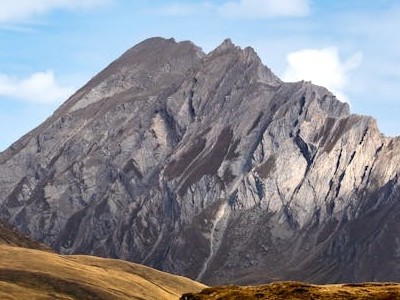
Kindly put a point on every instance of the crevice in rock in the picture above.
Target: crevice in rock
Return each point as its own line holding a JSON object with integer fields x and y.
{"x": 339, "y": 184}
{"x": 259, "y": 188}
{"x": 192, "y": 112}
{"x": 175, "y": 132}
{"x": 248, "y": 162}
{"x": 302, "y": 104}
{"x": 338, "y": 161}
{"x": 308, "y": 151}
{"x": 352, "y": 158}
{"x": 364, "y": 173}
{"x": 364, "y": 136}
{"x": 232, "y": 200}
{"x": 255, "y": 123}
{"x": 368, "y": 176}
{"x": 288, "y": 213}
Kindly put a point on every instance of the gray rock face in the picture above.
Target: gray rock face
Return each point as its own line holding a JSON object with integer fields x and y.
{"x": 211, "y": 167}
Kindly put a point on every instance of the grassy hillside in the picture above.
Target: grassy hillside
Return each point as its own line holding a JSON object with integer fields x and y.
{"x": 297, "y": 291}
{"x": 35, "y": 274}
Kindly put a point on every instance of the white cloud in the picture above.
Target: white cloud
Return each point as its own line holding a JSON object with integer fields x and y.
{"x": 323, "y": 67}
{"x": 265, "y": 8}
{"x": 20, "y": 10}
{"x": 40, "y": 88}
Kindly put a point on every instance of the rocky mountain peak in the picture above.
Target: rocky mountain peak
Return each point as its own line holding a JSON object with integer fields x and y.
{"x": 210, "y": 166}
{"x": 153, "y": 62}
{"x": 226, "y": 45}
{"x": 229, "y": 51}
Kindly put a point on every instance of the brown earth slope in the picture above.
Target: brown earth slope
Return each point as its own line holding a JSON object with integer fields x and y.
{"x": 12, "y": 237}
{"x": 34, "y": 274}
{"x": 297, "y": 291}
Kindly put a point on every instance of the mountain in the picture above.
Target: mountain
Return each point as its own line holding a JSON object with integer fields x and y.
{"x": 34, "y": 274}
{"x": 209, "y": 166}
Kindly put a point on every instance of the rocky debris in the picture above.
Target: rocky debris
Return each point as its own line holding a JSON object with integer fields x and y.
{"x": 137, "y": 164}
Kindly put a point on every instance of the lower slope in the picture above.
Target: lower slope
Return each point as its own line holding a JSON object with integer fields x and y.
{"x": 34, "y": 274}
{"x": 12, "y": 237}
{"x": 297, "y": 291}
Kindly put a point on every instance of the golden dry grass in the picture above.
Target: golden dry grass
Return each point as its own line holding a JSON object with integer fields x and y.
{"x": 34, "y": 274}
{"x": 301, "y": 291}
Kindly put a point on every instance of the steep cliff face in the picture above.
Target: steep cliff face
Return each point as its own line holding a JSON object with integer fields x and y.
{"x": 211, "y": 167}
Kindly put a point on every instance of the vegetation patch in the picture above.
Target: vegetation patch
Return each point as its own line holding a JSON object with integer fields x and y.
{"x": 299, "y": 291}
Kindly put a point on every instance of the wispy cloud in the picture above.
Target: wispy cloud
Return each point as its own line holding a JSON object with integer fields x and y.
{"x": 265, "y": 8}
{"x": 243, "y": 9}
{"x": 21, "y": 10}
{"x": 40, "y": 87}
{"x": 18, "y": 28}
{"x": 185, "y": 9}
{"x": 323, "y": 67}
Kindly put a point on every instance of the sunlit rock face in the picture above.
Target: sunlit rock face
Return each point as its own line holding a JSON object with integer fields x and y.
{"x": 209, "y": 166}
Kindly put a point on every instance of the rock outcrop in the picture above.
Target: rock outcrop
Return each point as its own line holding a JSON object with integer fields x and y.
{"x": 209, "y": 166}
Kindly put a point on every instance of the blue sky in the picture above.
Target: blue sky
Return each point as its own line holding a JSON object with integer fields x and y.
{"x": 50, "y": 48}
